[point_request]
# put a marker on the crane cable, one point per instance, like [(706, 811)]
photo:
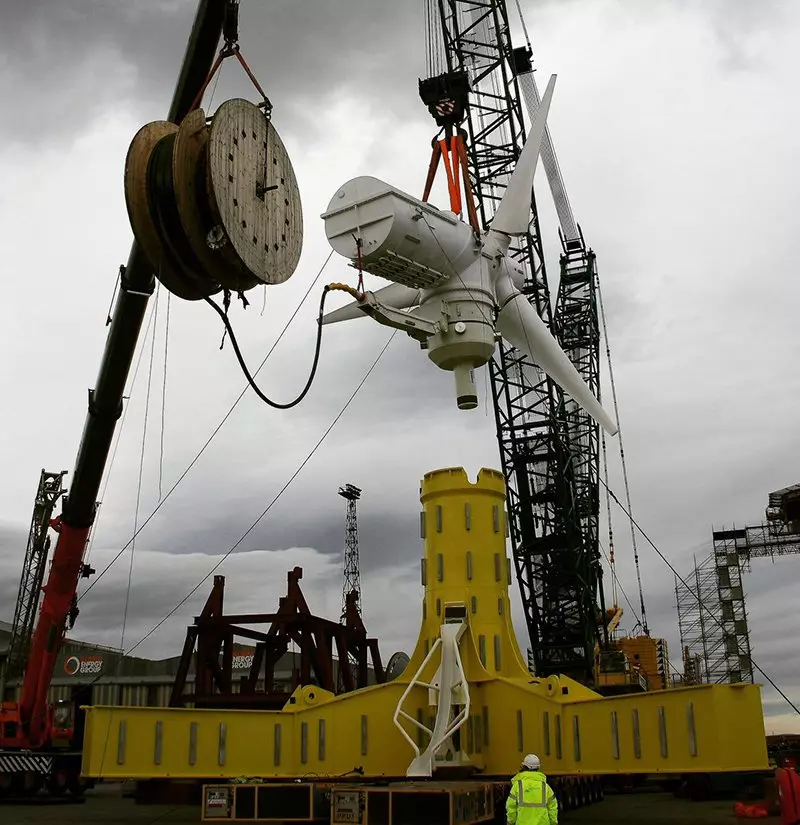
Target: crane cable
[(434, 47), (163, 402), (610, 558), (675, 671), (120, 430), (203, 449), (622, 459), (695, 594), (272, 503), (213, 433), (141, 468), (249, 530)]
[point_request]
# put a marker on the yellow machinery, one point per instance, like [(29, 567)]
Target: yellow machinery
[(630, 664), (464, 705), (649, 656)]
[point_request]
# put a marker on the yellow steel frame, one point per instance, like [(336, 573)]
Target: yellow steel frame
[(572, 728)]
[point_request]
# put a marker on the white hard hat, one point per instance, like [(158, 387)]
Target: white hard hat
[(531, 762)]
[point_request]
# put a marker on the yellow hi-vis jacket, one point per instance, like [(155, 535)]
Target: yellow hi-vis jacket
[(531, 801)]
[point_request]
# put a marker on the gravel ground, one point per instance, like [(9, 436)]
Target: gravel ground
[(107, 806)]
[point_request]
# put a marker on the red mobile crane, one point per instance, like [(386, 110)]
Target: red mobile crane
[(40, 742)]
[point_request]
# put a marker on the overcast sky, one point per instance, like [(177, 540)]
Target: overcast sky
[(676, 130)]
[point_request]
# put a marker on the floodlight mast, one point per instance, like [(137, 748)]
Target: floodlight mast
[(30, 722)]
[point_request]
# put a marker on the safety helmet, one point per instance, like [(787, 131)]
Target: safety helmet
[(531, 762)]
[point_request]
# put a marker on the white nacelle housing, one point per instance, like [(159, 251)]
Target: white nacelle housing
[(404, 240)]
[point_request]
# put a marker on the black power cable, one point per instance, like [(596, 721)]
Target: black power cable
[(211, 437), (264, 512), (272, 503), (250, 380)]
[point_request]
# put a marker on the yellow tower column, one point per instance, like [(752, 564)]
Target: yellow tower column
[(463, 528)]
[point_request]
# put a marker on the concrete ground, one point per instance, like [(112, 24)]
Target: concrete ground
[(657, 809), (106, 805)]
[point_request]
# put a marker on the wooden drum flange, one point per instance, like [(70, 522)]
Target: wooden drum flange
[(253, 190), (214, 206)]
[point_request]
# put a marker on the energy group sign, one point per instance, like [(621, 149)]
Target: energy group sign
[(83, 665)]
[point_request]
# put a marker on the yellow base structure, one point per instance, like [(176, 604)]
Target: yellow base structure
[(465, 702)]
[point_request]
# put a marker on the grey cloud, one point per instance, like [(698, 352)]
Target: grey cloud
[(69, 61), (128, 54), (692, 254)]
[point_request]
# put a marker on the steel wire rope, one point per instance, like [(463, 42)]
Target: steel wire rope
[(119, 436), (214, 431), (154, 319), (618, 583), (141, 472), (163, 402), (696, 596), (612, 560), (674, 670), (272, 503), (622, 457), (250, 529), (524, 27)]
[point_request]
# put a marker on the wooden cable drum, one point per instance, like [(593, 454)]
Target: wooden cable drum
[(168, 270), (164, 212), (253, 193), (214, 207), (189, 162)]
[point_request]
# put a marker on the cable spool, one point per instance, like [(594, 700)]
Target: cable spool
[(170, 272), (214, 206), (253, 193)]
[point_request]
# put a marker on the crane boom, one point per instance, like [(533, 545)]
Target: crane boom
[(559, 580), (577, 329), (547, 152), (137, 283)]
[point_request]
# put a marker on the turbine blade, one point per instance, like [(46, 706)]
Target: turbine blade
[(520, 325), (396, 296), (513, 213)]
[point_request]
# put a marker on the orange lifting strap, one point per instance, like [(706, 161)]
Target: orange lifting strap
[(454, 160)]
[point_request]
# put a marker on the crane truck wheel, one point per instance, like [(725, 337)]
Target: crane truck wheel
[(31, 782), (57, 782)]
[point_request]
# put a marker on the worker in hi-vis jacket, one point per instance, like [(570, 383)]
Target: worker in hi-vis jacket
[(531, 800)]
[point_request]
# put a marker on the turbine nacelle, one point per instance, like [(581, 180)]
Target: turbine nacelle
[(452, 290)]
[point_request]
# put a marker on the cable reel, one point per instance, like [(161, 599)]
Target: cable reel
[(214, 202)]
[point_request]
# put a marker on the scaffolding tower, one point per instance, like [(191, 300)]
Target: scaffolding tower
[(712, 610)]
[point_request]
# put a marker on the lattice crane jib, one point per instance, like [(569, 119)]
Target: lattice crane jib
[(48, 493), (559, 580)]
